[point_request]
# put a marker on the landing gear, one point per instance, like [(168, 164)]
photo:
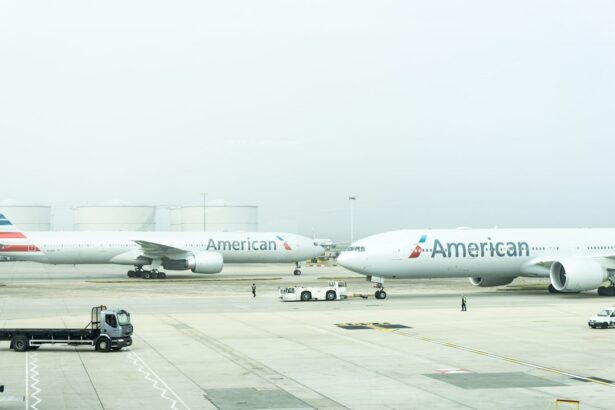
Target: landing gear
[(380, 294), (297, 271), (606, 291), (139, 272)]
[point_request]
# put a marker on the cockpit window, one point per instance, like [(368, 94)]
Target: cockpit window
[(356, 249)]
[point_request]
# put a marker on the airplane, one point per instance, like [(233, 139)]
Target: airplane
[(199, 252), (575, 260)]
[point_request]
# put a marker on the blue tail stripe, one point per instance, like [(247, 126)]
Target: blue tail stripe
[(4, 222), (423, 238), (3, 217)]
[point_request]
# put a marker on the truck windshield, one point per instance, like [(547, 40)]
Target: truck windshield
[(604, 313), (123, 318)]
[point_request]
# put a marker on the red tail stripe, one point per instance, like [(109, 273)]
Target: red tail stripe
[(12, 235), (19, 248)]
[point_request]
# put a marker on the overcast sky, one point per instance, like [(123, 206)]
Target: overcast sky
[(431, 113)]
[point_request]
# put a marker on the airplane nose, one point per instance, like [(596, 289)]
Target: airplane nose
[(348, 261), (342, 258)]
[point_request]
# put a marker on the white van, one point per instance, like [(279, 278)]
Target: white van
[(604, 319)]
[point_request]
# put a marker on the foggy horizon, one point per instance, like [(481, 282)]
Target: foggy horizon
[(433, 114)]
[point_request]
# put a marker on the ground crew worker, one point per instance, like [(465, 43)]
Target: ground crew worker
[(254, 290), (463, 304)]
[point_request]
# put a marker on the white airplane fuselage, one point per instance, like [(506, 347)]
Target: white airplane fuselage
[(483, 253), (121, 248)]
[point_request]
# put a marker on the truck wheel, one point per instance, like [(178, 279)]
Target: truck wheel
[(147, 275), (305, 296), (103, 344), (331, 295), (604, 325), (20, 343)]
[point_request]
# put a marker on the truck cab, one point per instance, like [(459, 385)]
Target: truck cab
[(114, 326), (604, 318)]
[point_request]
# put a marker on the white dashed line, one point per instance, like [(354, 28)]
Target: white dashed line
[(157, 382), (32, 370)]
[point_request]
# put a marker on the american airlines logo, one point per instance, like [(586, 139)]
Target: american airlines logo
[(416, 252), (472, 249), (246, 245)]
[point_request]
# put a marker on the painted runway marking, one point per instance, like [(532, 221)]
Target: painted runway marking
[(157, 382), (504, 358), (27, 383), (33, 370)]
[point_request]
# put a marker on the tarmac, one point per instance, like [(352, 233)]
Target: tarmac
[(203, 342)]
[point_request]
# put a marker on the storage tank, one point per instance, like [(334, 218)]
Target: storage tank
[(220, 216), (176, 219), (27, 218), (115, 216)]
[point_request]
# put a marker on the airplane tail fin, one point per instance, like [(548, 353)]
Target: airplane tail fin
[(9, 231), (12, 241)]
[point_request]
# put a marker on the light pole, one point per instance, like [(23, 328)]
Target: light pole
[(352, 199), (204, 208)]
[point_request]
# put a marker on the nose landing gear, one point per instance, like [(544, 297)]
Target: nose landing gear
[(380, 293), (297, 270)]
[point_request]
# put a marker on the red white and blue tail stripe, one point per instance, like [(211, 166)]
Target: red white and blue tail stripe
[(11, 240)]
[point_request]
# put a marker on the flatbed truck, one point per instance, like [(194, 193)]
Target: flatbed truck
[(109, 329)]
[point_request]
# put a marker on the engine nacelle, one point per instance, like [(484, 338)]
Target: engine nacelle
[(484, 282), (199, 262), (576, 274), (205, 262)]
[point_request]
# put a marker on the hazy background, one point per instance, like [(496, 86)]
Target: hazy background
[(431, 113)]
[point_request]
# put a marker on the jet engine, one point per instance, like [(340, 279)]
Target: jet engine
[(199, 262), (490, 281), (576, 274)]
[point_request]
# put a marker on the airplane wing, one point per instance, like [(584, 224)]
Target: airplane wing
[(158, 250)]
